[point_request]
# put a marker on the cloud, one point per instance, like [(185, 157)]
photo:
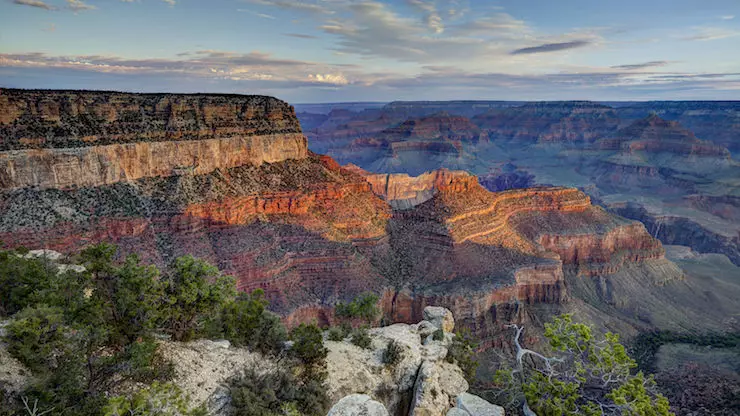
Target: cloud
[(727, 17), (432, 19), (643, 65), (301, 6), (711, 33), (208, 64), (79, 5), (551, 47), (170, 2), (262, 15), (300, 36), (35, 3)]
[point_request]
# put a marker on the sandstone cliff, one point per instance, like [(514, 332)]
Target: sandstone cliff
[(64, 139)]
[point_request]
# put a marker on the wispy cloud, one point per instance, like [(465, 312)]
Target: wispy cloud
[(643, 65), (300, 36), (205, 64), (302, 6), (711, 33), (79, 5), (727, 17), (551, 47), (432, 19), (35, 3), (262, 15)]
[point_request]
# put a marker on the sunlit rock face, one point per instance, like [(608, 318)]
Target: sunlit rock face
[(309, 232), (64, 139)]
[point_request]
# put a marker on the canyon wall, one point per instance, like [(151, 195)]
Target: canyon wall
[(64, 139)]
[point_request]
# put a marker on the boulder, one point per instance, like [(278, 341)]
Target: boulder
[(358, 405), (437, 383), (475, 406), (456, 411), (440, 318)]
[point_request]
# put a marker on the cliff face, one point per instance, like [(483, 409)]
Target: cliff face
[(402, 191), (191, 178), (654, 134), (550, 122), (58, 139)]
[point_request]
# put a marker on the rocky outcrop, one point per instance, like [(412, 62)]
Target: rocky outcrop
[(655, 135), (718, 121), (402, 191), (550, 122), (358, 405), (65, 139), (423, 383), (442, 126)]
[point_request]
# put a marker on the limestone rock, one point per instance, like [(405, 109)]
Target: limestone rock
[(440, 317), (475, 406), (203, 366), (436, 386), (358, 405)]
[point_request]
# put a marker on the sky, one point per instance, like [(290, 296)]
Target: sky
[(372, 50)]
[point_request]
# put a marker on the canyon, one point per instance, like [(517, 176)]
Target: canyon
[(231, 179)]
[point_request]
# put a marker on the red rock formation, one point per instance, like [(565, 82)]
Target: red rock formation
[(102, 138), (655, 135)]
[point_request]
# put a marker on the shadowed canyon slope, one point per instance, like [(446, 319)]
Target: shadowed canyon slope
[(636, 159), (310, 232)]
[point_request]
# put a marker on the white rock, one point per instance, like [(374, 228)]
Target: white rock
[(43, 253), (475, 406), (440, 317), (358, 405), (202, 368), (352, 369), (456, 411), (437, 383)]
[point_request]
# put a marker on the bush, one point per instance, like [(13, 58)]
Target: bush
[(126, 297), (336, 334), (587, 376), (155, 400), (364, 307), (247, 322), (36, 337), (21, 280), (308, 348), (361, 338), (193, 288), (275, 391), (393, 354), (462, 353)]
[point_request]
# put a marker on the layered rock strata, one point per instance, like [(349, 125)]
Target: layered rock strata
[(65, 139)]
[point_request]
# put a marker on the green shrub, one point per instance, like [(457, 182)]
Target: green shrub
[(393, 354), (36, 337), (586, 376), (462, 353), (336, 333), (275, 391), (21, 281), (247, 322), (308, 348), (364, 307), (438, 335), (193, 288), (361, 338), (155, 400), (126, 297)]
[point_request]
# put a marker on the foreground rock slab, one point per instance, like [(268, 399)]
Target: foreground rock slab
[(358, 405)]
